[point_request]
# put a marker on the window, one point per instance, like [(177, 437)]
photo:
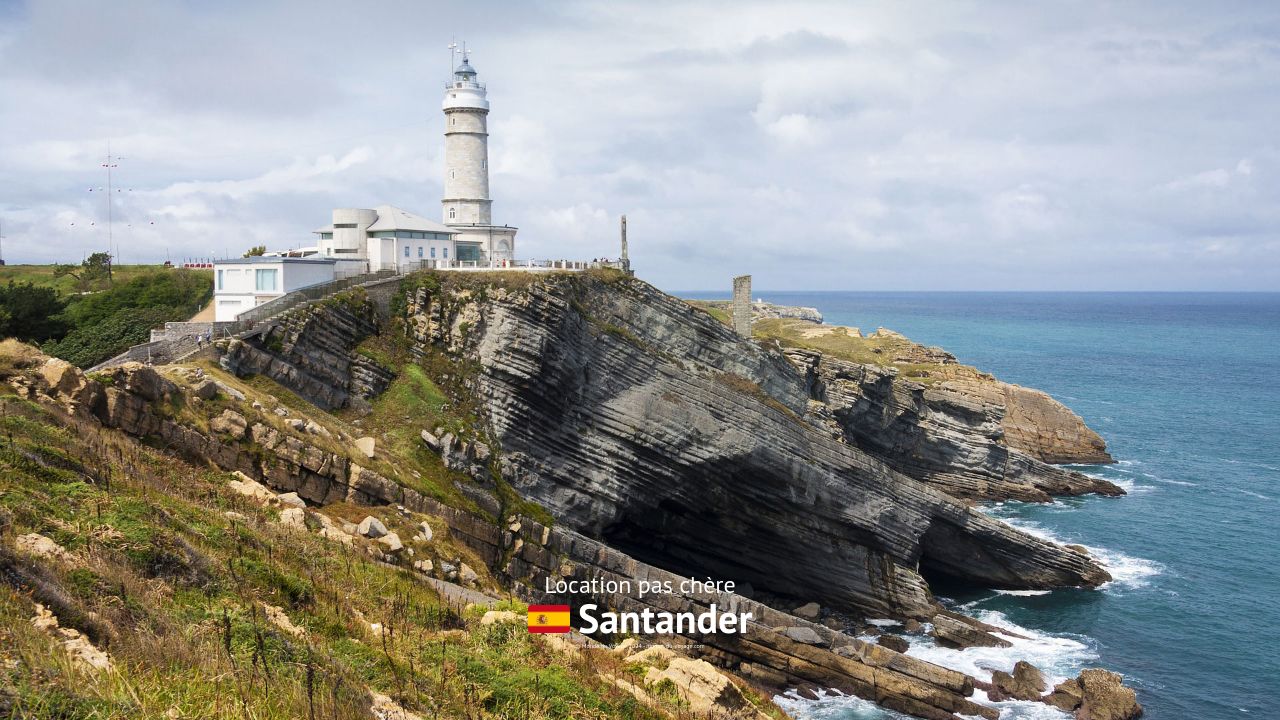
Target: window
[(452, 175), (326, 236), (219, 279), (265, 280), (406, 251), (433, 253), (453, 213), (344, 225), (446, 253), (453, 121), (484, 164), (419, 251)]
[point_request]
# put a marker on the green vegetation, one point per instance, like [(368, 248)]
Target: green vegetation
[(30, 313), (107, 323), (185, 583), (81, 315), (718, 309), (66, 285), (912, 360)]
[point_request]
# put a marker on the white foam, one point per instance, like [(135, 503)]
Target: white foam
[(884, 623), (1260, 496), (1127, 572), (1024, 593), (1058, 656), (833, 705)]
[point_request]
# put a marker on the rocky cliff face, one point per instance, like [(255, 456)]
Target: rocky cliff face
[(645, 423), (951, 434), (310, 351)]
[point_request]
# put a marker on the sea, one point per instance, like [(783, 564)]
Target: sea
[(1185, 388)]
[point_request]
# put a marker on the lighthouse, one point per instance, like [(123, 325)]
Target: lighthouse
[(466, 205)]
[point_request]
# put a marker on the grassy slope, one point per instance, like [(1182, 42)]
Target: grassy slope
[(42, 276), (174, 588)]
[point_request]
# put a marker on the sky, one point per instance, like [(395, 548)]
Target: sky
[(814, 145)]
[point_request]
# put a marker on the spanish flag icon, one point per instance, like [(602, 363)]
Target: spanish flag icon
[(548, 618)]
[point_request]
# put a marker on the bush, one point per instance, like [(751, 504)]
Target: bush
[(106, 324), (30, 313)]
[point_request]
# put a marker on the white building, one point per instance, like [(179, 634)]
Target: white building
[(246, 283), (388, 238), (466, 204)]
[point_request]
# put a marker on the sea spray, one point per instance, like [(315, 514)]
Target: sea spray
[(1127, 572)]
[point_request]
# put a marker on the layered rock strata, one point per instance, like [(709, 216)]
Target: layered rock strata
[(950, 434), (310, 350), (642, 422)]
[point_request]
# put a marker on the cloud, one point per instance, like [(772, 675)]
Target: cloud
[(1085, 146)]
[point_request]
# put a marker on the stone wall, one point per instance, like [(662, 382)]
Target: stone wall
[(741, 305)]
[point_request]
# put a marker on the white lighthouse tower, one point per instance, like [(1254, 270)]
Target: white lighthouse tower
[(466, 204)]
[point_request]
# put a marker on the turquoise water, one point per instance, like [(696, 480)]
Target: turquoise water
[(1185, 388)]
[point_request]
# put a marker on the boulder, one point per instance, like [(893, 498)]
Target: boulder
[(497, 617), (250, 488), (431, 440), (424, 532), (291, 499), (366, 445), (805, 635), (371, 527), (229, 391), (1025, 683), (708, 692), (1105, 697), (41, 547), (230, 423), (423, 566), (293, 517), (808, 611), (955, 630), (466, 574), (893, 642), (392, 542), (206, 390)]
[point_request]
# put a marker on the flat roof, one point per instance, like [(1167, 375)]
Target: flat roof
[(392, 218), (257, 259)]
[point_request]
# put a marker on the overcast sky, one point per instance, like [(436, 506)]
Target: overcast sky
[(815, 145)]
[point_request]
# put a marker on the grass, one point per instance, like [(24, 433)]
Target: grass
[(718, 309), (174, 589), (42, 276), (913, 361)]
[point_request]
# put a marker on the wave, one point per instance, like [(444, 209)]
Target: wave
[(1127, 571), (1260, 496), (833, 705), (1024, 593), (1058, 656)]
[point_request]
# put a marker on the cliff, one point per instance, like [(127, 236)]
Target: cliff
[(1025, 420), (646, 423), (575, 426)]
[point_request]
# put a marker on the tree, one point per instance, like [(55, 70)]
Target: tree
[(256, 251), (30, 313), (94, 269)]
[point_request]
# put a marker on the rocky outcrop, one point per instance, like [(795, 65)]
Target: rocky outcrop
[(1026, 682), (142, 401), (950, 434), (311, 351), (1046, 430), (761, 310), (1096, 694), (637, 420)]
